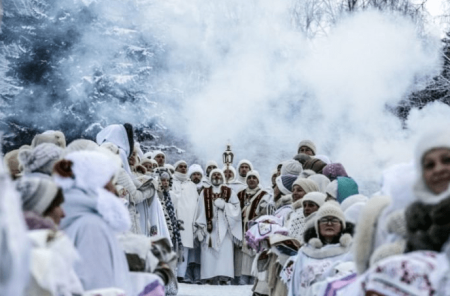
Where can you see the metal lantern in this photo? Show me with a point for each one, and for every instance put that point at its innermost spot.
(228, 157)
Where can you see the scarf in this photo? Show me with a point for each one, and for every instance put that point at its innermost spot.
(166, 200)
(180, 177)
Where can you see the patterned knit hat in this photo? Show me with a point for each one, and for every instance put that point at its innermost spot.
(315, 164)
(40, 159)
(346, 187)
(309, 144)
(291, 167)
(285, 183)
(37, 193)
(332, 209)
(334, 170)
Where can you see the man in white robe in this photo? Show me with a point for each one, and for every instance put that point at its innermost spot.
(185, 198)
(244, 166)
(211, 165)
(196, 175)
(254, 202)
(230, 179)
(218, 226)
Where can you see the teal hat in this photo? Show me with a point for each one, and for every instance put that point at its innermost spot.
(346, 187)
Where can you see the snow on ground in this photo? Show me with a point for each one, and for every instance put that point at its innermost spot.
(207, 290)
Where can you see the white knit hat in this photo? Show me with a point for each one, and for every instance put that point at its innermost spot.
(332, 189)
(307, 185)
(149, 155)
(330, 209)
(37, 193)
(309, 144)
(216, 171)
(253, 173)
(316, 197)
(40, 159)
(352, 200)
(195, 168)
(321, 181)
(291, 167)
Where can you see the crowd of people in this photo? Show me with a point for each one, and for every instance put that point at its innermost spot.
(104, 217)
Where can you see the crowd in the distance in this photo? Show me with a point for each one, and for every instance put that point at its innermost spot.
(105, 218)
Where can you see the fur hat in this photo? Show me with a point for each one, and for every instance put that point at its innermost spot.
(231, 168)
(37, 193)
(148, 155)
(316, 197)
(323, 158)
(195, 168)
(285, 183)
(210, 163)
(346, 187)
(111, 147)
(307, 185)
(12, 162)
(352, 200)
(334, 170)
(314, 164)
(329, 209)
(332, 189)
(353, 212)
(246, 162)
(40, 159)
(308, 144)
(54, 137)
(321, 181)
(146, 160)
(253, 173)
(291, 167)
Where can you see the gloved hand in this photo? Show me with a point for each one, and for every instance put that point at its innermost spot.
(220, 203)
(200, 236)
(180, 224)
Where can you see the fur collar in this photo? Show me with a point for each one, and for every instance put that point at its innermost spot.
(366, 229)
(297, 205)
(283, 201)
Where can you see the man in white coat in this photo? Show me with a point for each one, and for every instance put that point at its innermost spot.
(244, 166)
(211, 165)
(218, 226)
(185, 197)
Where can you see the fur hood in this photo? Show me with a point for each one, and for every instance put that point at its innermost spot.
(316, 249)
(283, 201)
(366, 230)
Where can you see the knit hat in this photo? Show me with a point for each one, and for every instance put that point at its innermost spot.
(178, 163)
(54, 137)
(314, 164)
(210, 163)
(334, 170)
(316, 197)
(79, 145)
(346, 187)
(308, 144)
(146, 160)
(148, 155)
(330, 209)
(36, 193)
(157, 152)
(352, 200)
(195, 168)
(323, 158)
(285, 183)
(40, 159)
(253, 173)
(246, 162)
(12, 162)
(291, 167)
(307, 185)
(321, 181)
(302, 158)
(332, 189)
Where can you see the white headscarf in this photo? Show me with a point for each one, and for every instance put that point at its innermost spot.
(117, 134)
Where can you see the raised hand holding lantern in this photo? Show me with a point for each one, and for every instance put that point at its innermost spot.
(228, 157)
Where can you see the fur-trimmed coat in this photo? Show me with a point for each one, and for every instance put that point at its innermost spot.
(315, 261)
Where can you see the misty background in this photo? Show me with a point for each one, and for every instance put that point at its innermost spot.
(362, 78)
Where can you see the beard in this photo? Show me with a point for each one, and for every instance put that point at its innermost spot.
(216, 182)
(196, 181)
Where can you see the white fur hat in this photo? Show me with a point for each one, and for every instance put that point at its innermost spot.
(353, 212)
(148, 155)
(54, 137)
(195, 168)
(253, 173)
(216, 171)
(246, 162)
(178, 163)
(352, 200)
(321, 181)
(332, 209)
(332, 189)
